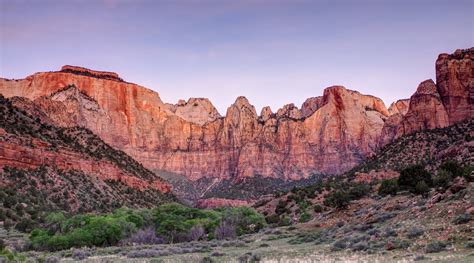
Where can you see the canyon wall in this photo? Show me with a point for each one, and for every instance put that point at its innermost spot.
(329, 134)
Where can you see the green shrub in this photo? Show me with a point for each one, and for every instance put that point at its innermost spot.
(358, 191)
(284, 221)
(318, 209)
(411, 176)
(453, 167)
(25, 225)
(337, 199)
(435, 246)
(273, 219)
(388, 187)
(422, 188)
(462, 219)
(305, 217)
(442, 179)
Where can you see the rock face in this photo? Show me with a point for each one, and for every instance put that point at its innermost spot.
(455, 82)
(449, 101)
(30, 144)
(329, 134)
(196, 110)
(399, 107)
(311, 105)
(191, 138)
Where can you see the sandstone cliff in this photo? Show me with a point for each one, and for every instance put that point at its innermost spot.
(449, 101)
(31, 144)
(330, 134)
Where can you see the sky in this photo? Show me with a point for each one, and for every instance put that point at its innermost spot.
(273, 52)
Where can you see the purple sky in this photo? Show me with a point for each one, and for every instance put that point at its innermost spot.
(272, 52)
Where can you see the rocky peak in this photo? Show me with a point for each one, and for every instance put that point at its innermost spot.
(455, 81)
(196, 110)
(266, 113)
(311, 105)
(289, 111)
(91, 73)
(241, 109)
(399, 107)
(427, 87)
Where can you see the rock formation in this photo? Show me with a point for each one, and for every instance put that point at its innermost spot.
(329, 134)
(449, 101)
(191, 138)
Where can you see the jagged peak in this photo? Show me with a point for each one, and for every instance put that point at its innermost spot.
(427, 87)
(91, 73)
(196, 110)
(399, 106)
(290, 111)
(311, 105)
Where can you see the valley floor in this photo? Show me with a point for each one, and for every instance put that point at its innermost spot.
(273, 245)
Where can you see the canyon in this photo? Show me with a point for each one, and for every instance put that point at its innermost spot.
(329, 134)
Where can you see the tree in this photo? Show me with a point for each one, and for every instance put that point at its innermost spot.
(410, 176)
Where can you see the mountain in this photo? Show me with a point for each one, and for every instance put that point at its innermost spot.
(44, 167)
(436, 105)
(330, 134)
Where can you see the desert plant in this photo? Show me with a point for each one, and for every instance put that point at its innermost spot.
(422, 188)
(318, 208)
(412, 175)
(225, 230)
(388, 187)
(415, 232)
(435, 246)
(462, 219)
(146, 236)
(338, 199)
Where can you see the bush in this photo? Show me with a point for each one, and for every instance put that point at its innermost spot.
(273, 219)
(411, 176)
(338, 199)
(80, 254)
(435, 246)
(388, 187)
(422, 188)
(25, 225)
(415, 232)
(305, 217)
(225, 230)
(146, 236)
(453, 167)
(318, 209)
(462, 219)
(358, 191)
(442, 179)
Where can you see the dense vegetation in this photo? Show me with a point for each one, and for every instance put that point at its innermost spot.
(169, 223)
(428, 148)
(32, 193)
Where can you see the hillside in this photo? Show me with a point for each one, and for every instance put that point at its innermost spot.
(46, 168)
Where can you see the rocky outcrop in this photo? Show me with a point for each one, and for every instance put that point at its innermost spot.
(311, 105)
(455, 82)
(399, 107)
(426, 110)
(196, 110)
(92, 73)
(344, 125)
(330, 134)
(31, 143)
(449, 101)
